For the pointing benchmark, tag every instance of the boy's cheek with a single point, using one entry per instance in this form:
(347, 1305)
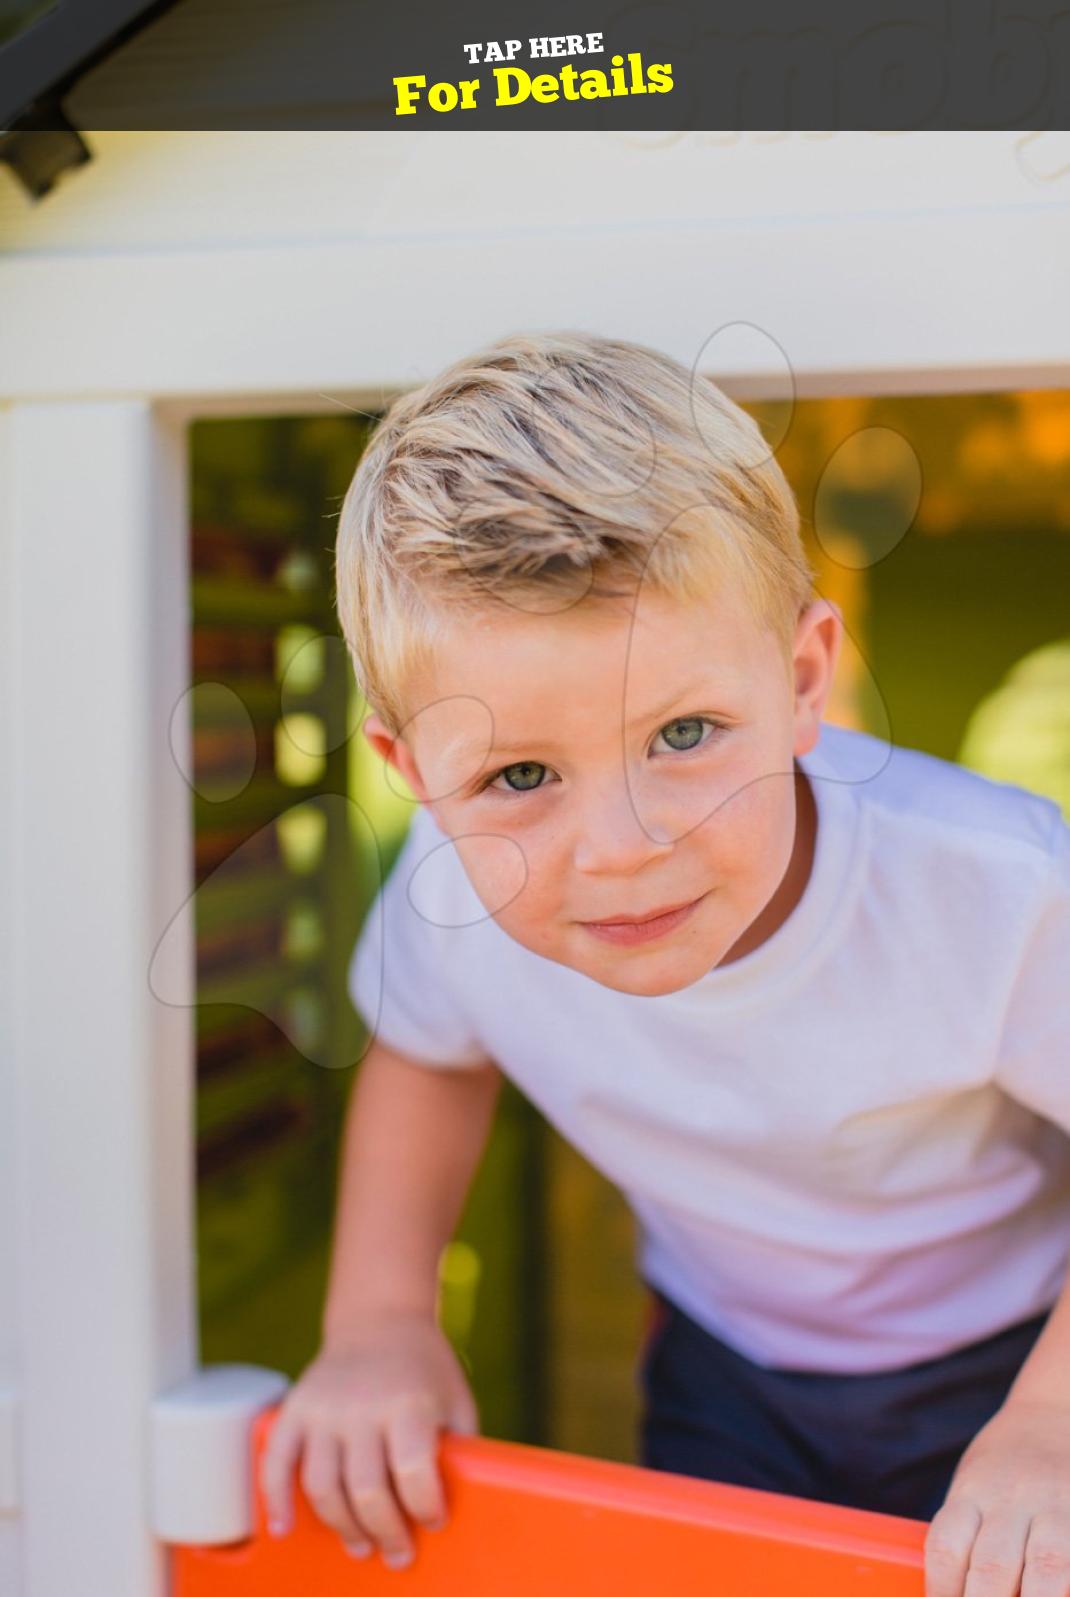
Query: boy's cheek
(743, 832)
(497, 867)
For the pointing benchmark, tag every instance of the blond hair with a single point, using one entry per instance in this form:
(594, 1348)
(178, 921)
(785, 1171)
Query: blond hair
(536, 467)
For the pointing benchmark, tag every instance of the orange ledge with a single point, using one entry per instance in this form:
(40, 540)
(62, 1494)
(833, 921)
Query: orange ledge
(528, 1521)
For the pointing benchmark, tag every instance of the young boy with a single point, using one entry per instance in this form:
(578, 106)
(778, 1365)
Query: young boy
(830, 1074)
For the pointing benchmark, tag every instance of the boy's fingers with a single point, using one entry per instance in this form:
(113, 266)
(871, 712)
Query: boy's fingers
(998, 1552)
(1047, 1556)
(412, 1453)
(370, 1497)
(321, 1480)
(464, 1415)
(277, 1464)
(948, 1544)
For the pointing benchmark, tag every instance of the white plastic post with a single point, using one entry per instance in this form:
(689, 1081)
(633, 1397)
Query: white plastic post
(10, 1548)
(202, 1478)
(96, 1243)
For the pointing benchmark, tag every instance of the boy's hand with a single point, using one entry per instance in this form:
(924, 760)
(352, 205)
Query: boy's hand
(1004, 1526)
(365, 1414)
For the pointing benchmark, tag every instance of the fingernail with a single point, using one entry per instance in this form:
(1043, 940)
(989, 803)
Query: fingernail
(435, 1524)
(358, 1549)
(398, 1560)
(277, 1527)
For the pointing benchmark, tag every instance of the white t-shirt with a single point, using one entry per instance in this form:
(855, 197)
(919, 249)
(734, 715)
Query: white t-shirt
(848, 1150)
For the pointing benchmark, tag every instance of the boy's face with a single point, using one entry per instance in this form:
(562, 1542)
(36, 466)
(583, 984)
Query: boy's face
(618, 758)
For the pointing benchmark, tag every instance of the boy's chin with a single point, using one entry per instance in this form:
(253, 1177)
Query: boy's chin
(656, 978)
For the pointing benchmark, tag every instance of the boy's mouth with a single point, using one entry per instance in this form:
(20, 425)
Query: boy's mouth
(642, 929)
(636, 920)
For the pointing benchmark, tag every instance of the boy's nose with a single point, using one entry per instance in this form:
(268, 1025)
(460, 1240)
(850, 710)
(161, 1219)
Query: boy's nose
(617, 835)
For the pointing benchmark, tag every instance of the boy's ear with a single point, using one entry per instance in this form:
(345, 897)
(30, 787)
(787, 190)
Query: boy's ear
(819, 636)
(396, 752)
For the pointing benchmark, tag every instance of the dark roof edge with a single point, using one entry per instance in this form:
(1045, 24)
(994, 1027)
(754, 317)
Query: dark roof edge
(40, 66)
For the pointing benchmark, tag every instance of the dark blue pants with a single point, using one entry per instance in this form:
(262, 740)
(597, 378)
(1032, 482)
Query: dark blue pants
(887, 1441)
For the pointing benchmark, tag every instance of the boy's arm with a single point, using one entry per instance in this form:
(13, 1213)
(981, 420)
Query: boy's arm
(413, 1138)
(1045, 1374)
(1004, 1525)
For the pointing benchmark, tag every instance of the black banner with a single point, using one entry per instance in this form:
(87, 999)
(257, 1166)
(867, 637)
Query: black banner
(576, 64)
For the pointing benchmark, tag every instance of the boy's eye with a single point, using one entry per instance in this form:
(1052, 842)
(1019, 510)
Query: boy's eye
(527, 782)
(682, 735)
(691, 734)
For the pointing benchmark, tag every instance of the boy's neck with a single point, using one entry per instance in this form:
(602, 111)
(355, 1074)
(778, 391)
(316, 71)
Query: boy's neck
(792, 883)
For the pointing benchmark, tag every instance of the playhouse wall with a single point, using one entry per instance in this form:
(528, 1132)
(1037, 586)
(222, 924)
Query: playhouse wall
(240, 264)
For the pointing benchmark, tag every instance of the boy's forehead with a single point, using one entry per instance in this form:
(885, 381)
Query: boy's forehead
(646, 621)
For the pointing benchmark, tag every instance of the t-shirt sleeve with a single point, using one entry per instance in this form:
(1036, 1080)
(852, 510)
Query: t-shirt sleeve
(401, 972)
(1034, 1062)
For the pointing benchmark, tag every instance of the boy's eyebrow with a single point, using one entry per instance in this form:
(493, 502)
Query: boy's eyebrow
(462, 745)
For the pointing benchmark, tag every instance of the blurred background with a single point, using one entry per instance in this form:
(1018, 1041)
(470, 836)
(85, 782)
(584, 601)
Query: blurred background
(939, 524)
